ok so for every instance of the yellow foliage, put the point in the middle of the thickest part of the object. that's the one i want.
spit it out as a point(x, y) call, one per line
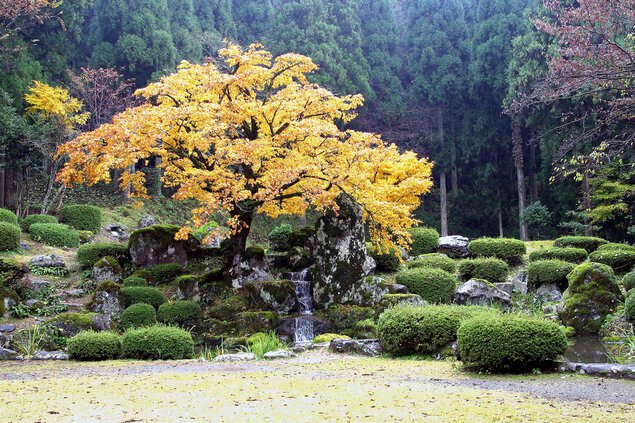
point(57, 103)
point(250, 133)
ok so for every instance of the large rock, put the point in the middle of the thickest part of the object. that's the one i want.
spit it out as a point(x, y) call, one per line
point(369, 291)
point(50, 355)
point(367, 347)
point(454, 246)
point(146, 221)
point(7, 354)
point(278, 296)
point(482, 293)
point(188, 288)
point(107, 269)
point(278, 354)
point(592, 295)
point(156, 245)
point(47, 261)
point(392, 300)
point(4, 340)
point(233, 358)
point(340, 255)
point(117, 231)
point(70, 324)
point(548, 293)
point(520, 282)
point(108, 300)
point(253, 267)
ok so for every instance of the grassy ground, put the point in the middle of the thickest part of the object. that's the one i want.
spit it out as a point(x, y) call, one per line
point(313, 387)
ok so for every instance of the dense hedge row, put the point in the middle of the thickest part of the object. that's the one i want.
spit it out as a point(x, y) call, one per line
point(89, 254)
point(181, 313)
point(37, 218)
point(54, 234)
point(9, 236)
point(435, 260)
point(158, 343)
point(165, 273)
point(587, 243)
point(570, 254)
point(492, 270)
point(619, 260)
point(94, 346)
point(142, 294)
point(138, 315)
point(507, 249)
point(549, 272)
point(433, 285)
point(424, 241)
point(82, 217)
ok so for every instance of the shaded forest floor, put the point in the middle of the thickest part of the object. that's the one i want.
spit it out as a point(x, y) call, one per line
point(316, 386)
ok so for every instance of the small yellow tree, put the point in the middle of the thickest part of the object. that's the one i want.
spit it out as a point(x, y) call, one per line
point(250, 134)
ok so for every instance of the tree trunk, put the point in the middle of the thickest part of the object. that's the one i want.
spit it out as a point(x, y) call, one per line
point(157, 178)
point(3, 165)
point(442, 181)
point(125, 193)
point(586, 201)
point(533, 178)
point(517, 141)
point(234, 248)
point(501, 234)
point(9, 188)
point(455, 173)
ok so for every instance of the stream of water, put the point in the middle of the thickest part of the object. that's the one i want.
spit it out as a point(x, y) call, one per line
point(303, 323)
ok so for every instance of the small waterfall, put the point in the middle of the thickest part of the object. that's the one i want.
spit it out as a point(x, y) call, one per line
point(303, 325)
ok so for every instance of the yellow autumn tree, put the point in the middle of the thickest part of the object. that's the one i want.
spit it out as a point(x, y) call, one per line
point(250, 134)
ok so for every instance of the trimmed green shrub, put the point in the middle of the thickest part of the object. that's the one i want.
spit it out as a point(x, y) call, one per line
point(9, 236)
point(89, 254)
point(328, 337)
point(165, 273)
point(94, 346)
point(181, 313)
point(507, 249)
point(424, 241)
point(629, 307)
point(54, 234)
point(143, 273)
point(142, 294)
point(510, 342)
point(492, 270)
point(405, 330)
point(279, 237)
point(432, 285)
point(138, 315)
point(389, 261)
point(587, 243)
point(82, 217)
point(158, 343)
point(37, 218)
point(344, 317)
point(366, 329)
point(549, 272)
point(572, 255)
point(8, 216)
point(435, 260)
point(615, 246)
point(134, 281)
point(629, 281)
point(619, 260)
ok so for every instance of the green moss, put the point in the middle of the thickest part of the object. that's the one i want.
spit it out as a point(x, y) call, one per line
point(366, 329)
point(432, 285)
point(629, 281)
point(250, 322)
point(89, 254)
point(424, 241)
point(629, 307)
point(108, 261)
point(143, 273)
point(328, 337)
point(509, 250)
point(254, 251)
point(434, 260)
point(569, 254)
point(227, 309)
point(615, 246)
point(587, 243)
point(83, 321)
point(82, 217)
point(620, 261)
point(165, 273)
point(549, 272)
point(493, 270)
point(108, 286)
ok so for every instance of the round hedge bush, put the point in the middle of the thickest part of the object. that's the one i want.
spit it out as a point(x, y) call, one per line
point(629, 307)
point(434, 260)
point(181, 313)
point(9, 236)
point(165, 273)
point(570, 254)
point(492, 270)
point(386, 262)
point(615, 246)
point(94, 346)
point(8, 216)
point(158, 343)
point(432, 285)
point(142, 294)
point(510, 342)
point(587, 243)
point(404, 330)
point(545, 272)
point(279, 237)
point(629, 281)
point(619, 260)
point(37, 218)
point(82, 217)
point(424, 241)
point(138, 315)
point(55, 235)
point(134, 281)
point(507, 249)
point(89, 254)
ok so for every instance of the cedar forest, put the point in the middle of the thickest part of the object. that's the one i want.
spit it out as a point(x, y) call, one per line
point(524, 106)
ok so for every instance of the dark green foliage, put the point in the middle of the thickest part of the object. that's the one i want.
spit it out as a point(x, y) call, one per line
point(227, 309)
point(587, 243)
point(8, 216)
point(250, 322)
point(134, 281)
point(279, 237)
point(615, 246)
point(492, 270)
point(142, 294)
point(619, 260)
point(435, 260)
point(138, 315)
point(94, 346)
point(386, 262)
point(433, 285)
point(158, 343)
point(366, 329)
point(165, 273)
point(344, 317)
point(143, 273)
point(405, 330)
point(536, 216)
point(629, 281)
point(55, 234)
point(507, 249)
point(37, 218)
point(9, 236)
point(424, 241)
point(89, 254)
point(82, 217)
point(549, 272)
point(629, 307)
point(301, 237)
point(510, 342)
point(570, 254)
point(181, 313)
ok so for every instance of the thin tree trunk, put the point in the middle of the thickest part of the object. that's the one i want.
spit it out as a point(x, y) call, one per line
point(517, 142)
point(9, 188)
point(125, 193)
point(455, 173)
point(157, 181)
point(586, 200)
point(533, 179)
point(235, 247)
point(46, 202)
point(3, 165)
point(442, 181)
point(500, 222)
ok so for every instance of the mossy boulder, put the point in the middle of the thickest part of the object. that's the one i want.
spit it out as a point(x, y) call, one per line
point(187, 288)
point(107, 299)
point(299, 258)
point(278, 296)
point(70, 324)
point(250, 322)
point(11, 271)
point(156, 245)
point(366, 329)
point(344, 318)
point(226, 309)
point(392, 300)
point(8, 299)
point(107, 269)
point(592, 295)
